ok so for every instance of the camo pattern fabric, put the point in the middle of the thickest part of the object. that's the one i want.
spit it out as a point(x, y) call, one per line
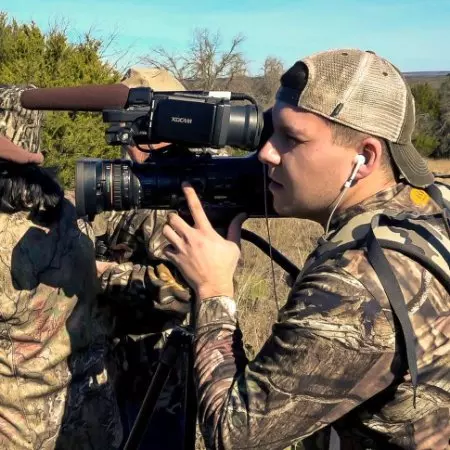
point(21, 126)
point(56, 390)
point(130, 231)
point(333, 357)
point(143, 283)
point(149, 301)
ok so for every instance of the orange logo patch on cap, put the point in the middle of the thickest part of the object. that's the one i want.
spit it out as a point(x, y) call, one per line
point(419, 197)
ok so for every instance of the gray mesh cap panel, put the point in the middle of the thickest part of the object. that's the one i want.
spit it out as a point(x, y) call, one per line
point(357, 89)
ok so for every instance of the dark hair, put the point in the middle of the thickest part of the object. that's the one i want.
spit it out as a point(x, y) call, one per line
point(27, 187)
point(296, 77)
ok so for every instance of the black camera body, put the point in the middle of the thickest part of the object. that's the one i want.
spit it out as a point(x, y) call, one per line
point(202, 119)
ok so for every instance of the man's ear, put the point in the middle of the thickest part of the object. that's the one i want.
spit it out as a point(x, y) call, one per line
point(372, 150)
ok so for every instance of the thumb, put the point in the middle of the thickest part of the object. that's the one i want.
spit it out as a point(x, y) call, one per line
point(35, 158)
point(234, 230)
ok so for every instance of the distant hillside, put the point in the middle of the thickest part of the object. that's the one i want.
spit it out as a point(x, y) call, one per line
point(429, 73)
point(434, 78)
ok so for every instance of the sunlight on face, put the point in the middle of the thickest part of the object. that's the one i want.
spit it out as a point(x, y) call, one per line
point(307, 170)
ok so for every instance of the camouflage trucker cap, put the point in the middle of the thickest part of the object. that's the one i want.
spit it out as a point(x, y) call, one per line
point(365, 92)
point(19, 127)
point(156, 79)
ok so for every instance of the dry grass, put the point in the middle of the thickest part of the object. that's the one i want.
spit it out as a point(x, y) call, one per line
point(434, 81)
point(261, 284)
point(439, 165)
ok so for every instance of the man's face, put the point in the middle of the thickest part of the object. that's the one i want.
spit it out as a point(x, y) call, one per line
point(307, 170)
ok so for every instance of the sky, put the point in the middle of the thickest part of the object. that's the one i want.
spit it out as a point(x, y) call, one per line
point(412, 34)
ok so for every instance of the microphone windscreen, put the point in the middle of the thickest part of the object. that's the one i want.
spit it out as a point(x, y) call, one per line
point(78, 98)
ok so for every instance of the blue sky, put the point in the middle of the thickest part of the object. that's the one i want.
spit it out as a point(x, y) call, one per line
point(413, 34)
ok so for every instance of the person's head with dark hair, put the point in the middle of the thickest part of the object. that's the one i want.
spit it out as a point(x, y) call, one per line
point(24, 184)
point(332, 108)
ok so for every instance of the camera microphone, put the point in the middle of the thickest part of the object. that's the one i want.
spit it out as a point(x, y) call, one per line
point(78, 98)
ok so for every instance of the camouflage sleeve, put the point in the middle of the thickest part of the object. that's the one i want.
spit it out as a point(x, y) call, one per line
point(124, 232)
point(142, 296)
point(332, 348)
point(134, 281)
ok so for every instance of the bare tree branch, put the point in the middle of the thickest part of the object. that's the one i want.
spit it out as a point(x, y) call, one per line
point(204, 62)
point(272, 70)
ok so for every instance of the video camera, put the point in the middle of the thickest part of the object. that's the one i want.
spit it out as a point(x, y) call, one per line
point(226, 185)
point(188, 120)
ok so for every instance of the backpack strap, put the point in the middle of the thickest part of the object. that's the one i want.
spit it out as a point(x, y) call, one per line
point(440, 193)
point(409, 234)
point(350, 237)
point(383, 269)
point(435, 191)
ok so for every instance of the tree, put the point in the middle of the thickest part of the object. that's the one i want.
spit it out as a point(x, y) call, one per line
point(426, 99)
point(205, 65)
point(444, 129)
point(27, 55)
point(270, 81)
point(425, 137)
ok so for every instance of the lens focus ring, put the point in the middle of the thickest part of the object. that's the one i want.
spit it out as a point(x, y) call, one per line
point(117, 187)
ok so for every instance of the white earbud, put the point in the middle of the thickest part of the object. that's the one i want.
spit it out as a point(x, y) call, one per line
point(359, 161)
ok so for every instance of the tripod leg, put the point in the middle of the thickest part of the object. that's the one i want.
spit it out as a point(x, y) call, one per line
point(167, 361)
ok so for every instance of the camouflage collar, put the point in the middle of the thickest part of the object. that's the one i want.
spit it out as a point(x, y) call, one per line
point(376, 202)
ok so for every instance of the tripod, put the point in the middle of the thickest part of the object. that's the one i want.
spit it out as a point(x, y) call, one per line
point(178, 343)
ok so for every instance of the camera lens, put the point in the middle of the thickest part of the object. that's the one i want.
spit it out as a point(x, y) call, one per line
point(245, 126)
point(103, 185)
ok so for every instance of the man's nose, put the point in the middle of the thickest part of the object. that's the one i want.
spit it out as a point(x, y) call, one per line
point(269, 154)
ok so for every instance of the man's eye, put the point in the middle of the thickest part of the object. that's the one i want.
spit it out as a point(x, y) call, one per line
point(294, 140)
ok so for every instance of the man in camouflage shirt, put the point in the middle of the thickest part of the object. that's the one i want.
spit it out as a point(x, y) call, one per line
point(338, 356)
point(56, 389)
point(150, 299)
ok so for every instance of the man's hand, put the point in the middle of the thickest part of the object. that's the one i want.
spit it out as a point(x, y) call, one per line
point(206, 260)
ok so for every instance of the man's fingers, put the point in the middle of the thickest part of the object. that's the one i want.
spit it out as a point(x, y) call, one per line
point(234, 230)
point(178, 225)
point(12, 152)
point(195, 207)
point(171, 254)
point(35, 158)
point(172, 236)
